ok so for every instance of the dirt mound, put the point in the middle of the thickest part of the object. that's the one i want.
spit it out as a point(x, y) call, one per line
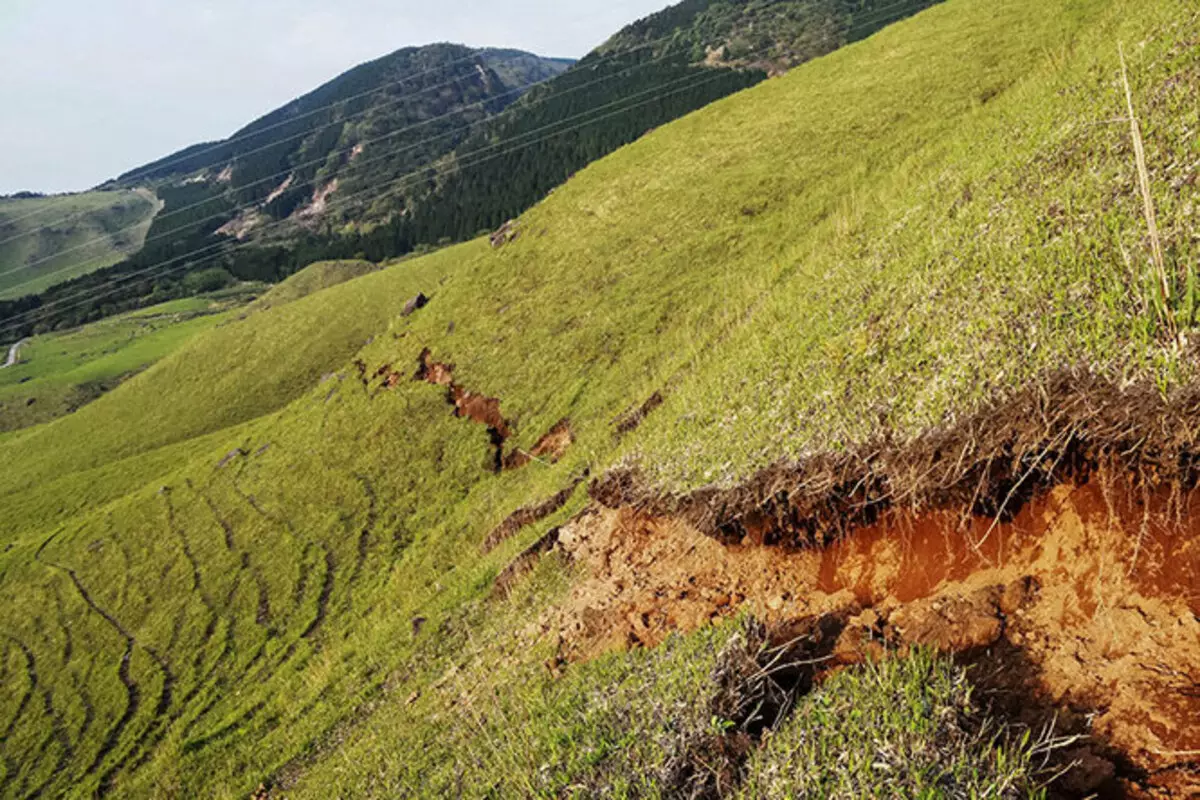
point(1081, 608)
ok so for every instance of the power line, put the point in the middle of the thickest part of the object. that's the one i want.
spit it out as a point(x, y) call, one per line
point(127, 278)
point(323, 159)
point(181, 157)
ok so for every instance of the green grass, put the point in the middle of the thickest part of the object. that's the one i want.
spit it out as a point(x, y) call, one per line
point(885, 236)
point(314, 278)
point(901, 728)
point(59, 373)
point(45, 241)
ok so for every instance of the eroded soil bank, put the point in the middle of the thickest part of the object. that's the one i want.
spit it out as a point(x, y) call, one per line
point(1081, 609)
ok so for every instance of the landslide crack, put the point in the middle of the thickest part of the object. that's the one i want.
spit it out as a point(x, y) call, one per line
point(323, 597)
point(484, 410)
point(529, 515)
point(466, 404)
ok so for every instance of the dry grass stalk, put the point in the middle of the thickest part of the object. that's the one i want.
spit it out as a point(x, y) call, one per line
point(1139, 151)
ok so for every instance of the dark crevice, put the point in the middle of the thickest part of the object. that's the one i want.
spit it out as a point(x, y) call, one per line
point(226, 528)
point(31, 676)
point(528, 515)
point(523, 564)
point(323, 597)
point(58, 733)
point(758, 679)
point(632, 420)
point(186, 547)
point(132, 689)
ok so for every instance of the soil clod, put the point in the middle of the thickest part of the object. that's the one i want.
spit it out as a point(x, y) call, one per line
point(414, 305)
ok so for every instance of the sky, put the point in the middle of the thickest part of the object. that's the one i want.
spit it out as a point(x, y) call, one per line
point(90, 89)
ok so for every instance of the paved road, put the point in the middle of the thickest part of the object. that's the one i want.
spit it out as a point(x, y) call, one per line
point(14, 353)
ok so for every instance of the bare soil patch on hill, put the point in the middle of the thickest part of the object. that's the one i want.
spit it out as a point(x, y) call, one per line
point(1051, 541)
point(1082, 611)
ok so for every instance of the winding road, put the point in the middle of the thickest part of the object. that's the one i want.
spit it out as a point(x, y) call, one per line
point(14, 353)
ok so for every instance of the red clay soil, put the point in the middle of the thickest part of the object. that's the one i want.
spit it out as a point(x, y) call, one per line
point(551, 447)
point(1083, 608)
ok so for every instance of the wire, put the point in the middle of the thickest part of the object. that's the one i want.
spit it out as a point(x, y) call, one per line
point(181, 157)
point(398, 184)
point(16, 321)
point(323, 159)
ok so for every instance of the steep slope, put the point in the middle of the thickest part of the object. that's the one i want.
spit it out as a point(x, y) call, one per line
point(380, 101)
point(48, 240)
point(649, 73)
point(738, 366)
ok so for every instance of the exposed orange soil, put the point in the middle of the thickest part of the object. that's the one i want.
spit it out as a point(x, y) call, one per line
point(1085, 606)
point(551, 447)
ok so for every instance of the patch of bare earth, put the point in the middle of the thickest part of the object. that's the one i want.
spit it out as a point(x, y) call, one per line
point(1062, 611)
point(1052, 543)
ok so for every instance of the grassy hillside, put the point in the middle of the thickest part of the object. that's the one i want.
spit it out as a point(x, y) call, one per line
point(61, 372)
point(49, 240)
point(261, 562)
point(314, 278)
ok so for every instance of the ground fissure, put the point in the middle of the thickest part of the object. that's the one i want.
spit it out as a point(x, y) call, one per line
point(1046, 541)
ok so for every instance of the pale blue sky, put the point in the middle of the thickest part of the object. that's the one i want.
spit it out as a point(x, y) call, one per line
point(92, 88)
